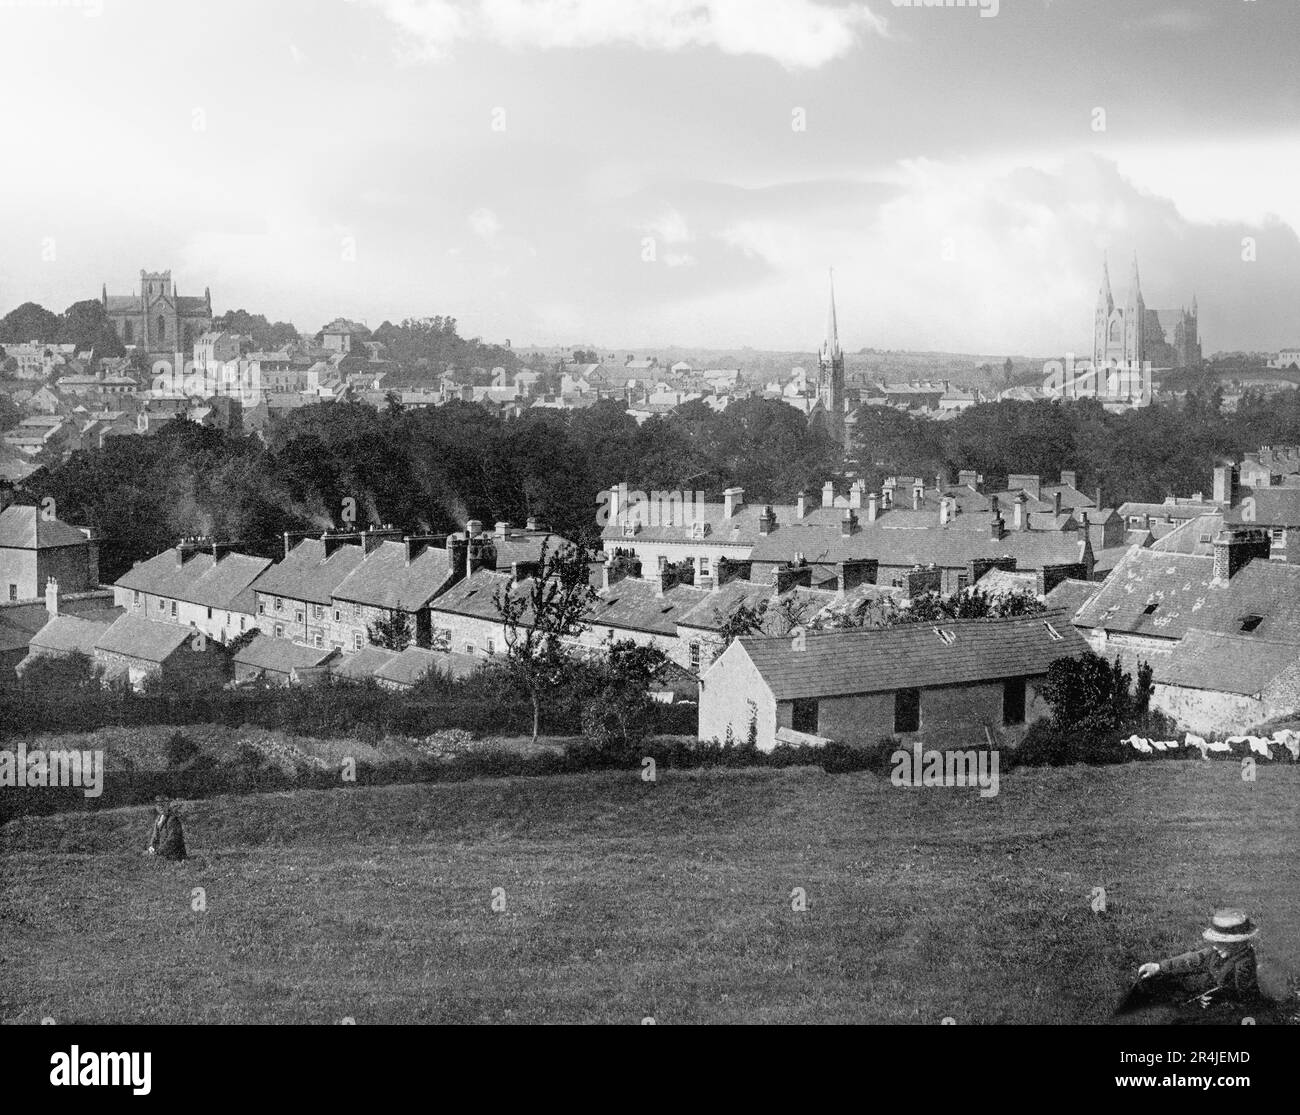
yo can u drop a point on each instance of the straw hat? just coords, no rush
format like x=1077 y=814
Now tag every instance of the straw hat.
x=1229 y=926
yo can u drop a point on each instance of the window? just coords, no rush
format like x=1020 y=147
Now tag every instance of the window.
x=317 y=611
x=469 y=648
x=1150 y=608
x=279 y=631
x=356 y=641
x=162 y=604
x=241 y=623
x=209 y=613
x=317 y=640
x=945 y=637
x=130 y=333
x=1013 y=701
x=135 y=599
x=279 y=604
x=173 y=607
x=261 y=607
x=337 y=615
x=162 y=328
x=1056 y=635
x=299 y=616
x=491 y=647
x=907 y=710
x=1249 y=623
x=13 y=592
x=963 y=580
x=803 y=717
x=695 y=656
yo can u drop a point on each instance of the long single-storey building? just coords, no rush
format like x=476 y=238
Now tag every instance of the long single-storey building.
x=955 y=683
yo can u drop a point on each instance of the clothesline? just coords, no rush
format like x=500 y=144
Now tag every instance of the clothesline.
x=1258 y=745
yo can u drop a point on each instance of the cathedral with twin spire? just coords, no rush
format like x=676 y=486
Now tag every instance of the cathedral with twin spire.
x=1131 y=335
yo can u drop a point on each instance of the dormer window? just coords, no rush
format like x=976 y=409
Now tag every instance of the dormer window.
x=1150 y=608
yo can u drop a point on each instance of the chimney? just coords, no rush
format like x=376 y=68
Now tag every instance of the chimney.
x=872 y=510
x=503 y=531
x=1070 y=479
x=1019 y=518
x=52 y=596
x=617 y=496
x=533 y=524
x=667 y=578
x=733 y=499
x=1225 y=485
x=1056 y=502
x=980 y=566
x=1234 y=549
x=886 y=498
x=288 y=545
x=1097 y=501
x=969 y=478
x=1029 y=481
x=940 y=482
x=918 y=495
x=767 y=521
x=945 y=511
x=458 y=557
x=998 y=526
x=856 y=572
x=849 y=522
x=828 y=494
x=801 y=508
x=726 y=570
x=417 y=544
x=786 y=577
x=855 y=494
x=921 y=582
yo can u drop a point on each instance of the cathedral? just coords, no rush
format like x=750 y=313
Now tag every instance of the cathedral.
x=1131 y=335
x=830 y=377
x=158 y=320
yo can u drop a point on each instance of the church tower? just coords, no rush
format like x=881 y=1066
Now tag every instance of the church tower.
x=830 y=380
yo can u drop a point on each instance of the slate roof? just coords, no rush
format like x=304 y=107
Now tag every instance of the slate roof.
x=363 y=663
x=415 y=663
x=911 y=656
x=211 y=583
x=1226 y=663
x=1179 y=585
x=143 y=638
x=307 y=574
x=382 y=579
x=632 y=604
x=64 y=634
x=1195 y=536
x=1070 y=595
x=280 y=656
x=1269 y=507
x=23 y=528
x=945 y=547
x=472 y=595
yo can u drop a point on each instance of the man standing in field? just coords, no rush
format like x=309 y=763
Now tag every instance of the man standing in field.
x=168 y=841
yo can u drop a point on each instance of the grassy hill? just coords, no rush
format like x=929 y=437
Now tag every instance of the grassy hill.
x=626 y=899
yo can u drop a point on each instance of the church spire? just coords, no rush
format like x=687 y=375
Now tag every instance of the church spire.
x=1104 y=297
x=1135 y=284
x=832 y=347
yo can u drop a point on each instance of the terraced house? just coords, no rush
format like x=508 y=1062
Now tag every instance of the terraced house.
x=209 y=589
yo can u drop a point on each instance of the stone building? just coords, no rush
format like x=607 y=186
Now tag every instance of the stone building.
x=158 y=320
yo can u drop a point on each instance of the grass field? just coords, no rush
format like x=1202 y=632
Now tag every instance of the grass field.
x=626 y=899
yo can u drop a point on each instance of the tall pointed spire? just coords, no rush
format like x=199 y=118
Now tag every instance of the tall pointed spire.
x=1104 y=297
x=832 y=348
x=1135 y=284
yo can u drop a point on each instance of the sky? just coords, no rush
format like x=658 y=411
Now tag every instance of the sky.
x=663 y=172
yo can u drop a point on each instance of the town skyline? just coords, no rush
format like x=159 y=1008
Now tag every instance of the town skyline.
x=405 y=167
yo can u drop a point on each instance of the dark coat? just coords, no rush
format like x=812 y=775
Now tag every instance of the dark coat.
x=1205 y=969
x=168 y=839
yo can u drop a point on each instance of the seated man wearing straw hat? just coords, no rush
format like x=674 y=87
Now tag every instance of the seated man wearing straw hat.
x=168 y=841
x=1224 y=970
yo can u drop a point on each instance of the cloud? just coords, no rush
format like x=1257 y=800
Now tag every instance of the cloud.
x=799 y=34
x=484 y=224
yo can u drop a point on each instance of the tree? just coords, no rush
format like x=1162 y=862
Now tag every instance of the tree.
x=619 y=710
x=30 y=322
x=392 y=631
x=86 y=325
x=537 y=615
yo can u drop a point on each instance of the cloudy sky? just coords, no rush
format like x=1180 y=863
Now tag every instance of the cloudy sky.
x=648 y=172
